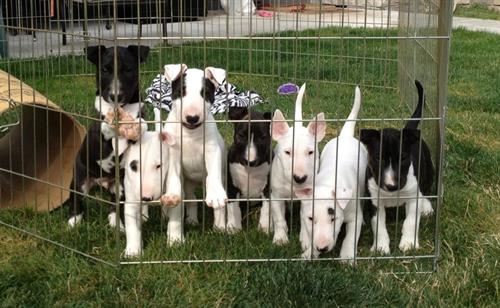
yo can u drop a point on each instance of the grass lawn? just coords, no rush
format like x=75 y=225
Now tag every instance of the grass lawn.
x=33 y=273
x=477 y=11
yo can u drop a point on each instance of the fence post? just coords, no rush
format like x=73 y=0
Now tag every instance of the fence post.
x=4 y=41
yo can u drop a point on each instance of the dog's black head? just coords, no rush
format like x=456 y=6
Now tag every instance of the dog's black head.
x=389 y=155
x=124 y=88
x=252 y=141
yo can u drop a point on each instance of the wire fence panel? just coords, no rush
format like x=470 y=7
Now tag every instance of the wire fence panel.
x=76 y=170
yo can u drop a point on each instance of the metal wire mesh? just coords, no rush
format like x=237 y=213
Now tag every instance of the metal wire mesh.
x=382 y=46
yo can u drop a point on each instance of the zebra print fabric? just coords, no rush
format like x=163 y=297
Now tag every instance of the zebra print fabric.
x=159 y=94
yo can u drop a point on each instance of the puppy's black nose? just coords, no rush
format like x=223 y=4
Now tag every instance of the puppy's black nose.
x=147 y=199
x=322 y=249
x=299 y=179
x=252 y=163
x=391 y=187
x=116 y=98
x=192 y=119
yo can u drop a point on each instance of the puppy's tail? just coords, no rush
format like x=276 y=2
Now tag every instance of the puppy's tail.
x=417 y=114
x=298 y=104
x=350 y=124
x=157 y=112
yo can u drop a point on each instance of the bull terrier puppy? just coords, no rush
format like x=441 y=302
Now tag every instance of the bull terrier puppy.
x=338 y=186
x=295 y=162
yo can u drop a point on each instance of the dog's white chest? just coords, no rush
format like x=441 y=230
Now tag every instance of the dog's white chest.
x=193 y=163
x=394 y=198
x=251 y=181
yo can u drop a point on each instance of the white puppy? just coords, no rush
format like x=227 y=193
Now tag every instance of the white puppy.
x=295 y=162
x=146 y=165
x=200 y=148
x=338 y=186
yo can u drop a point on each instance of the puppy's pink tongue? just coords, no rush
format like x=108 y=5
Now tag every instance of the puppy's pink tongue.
x=303 y=192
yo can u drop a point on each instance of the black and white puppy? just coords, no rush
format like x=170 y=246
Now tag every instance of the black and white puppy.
x=95 y=161
x=249 y=160
x=199 y=156
x=400 y=171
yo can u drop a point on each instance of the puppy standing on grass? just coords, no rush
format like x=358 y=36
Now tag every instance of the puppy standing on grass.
x=95 y=161
x=200 y=147
x=146 y=165
x=400 y=171
x=295 y=162
x=249 y=161
x=338 y=186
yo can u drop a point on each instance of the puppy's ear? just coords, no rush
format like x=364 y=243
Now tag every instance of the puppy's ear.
x=215 y=75
x=174 y=71
x=94 y=53
x=237 y=113
x=411 y=136
x=342 y=196
x=318 y=127
x=167 y=138
x=140 y=52
x=279 y=126
x=368 y=136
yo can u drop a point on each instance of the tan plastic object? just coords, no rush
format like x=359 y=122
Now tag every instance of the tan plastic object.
x=37 y=155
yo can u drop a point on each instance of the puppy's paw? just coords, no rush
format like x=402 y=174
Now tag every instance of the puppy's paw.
x=306 y=255
x=216 y=197
x=112 y=222
x=170 y=200
x=280 y=238
x=305 y=245
x=347 y=258
x=426 y=208
x=132 y=252
x=266 y=228
x=192 y=220
x=265 y=225
x=233 y=227
x=382 y=248
x=175 y=238
x=406 y=244
x=75 y=220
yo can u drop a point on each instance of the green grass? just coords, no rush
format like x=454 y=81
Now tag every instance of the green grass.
x=477 y=11
x=33 y=273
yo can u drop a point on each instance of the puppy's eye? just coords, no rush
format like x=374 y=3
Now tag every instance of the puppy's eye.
x=133 y=165
x=104 y=70
x=287 y=152
x=158 y=166
x=311 y=152
x=310 y=218
x=333 y=219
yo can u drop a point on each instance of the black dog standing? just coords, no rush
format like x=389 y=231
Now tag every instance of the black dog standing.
x=249 y=160
x=95 y=161
x=400 y=171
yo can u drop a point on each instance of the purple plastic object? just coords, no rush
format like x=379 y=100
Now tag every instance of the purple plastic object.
x=288 y=88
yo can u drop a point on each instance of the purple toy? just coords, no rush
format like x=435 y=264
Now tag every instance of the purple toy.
x=288 y=88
